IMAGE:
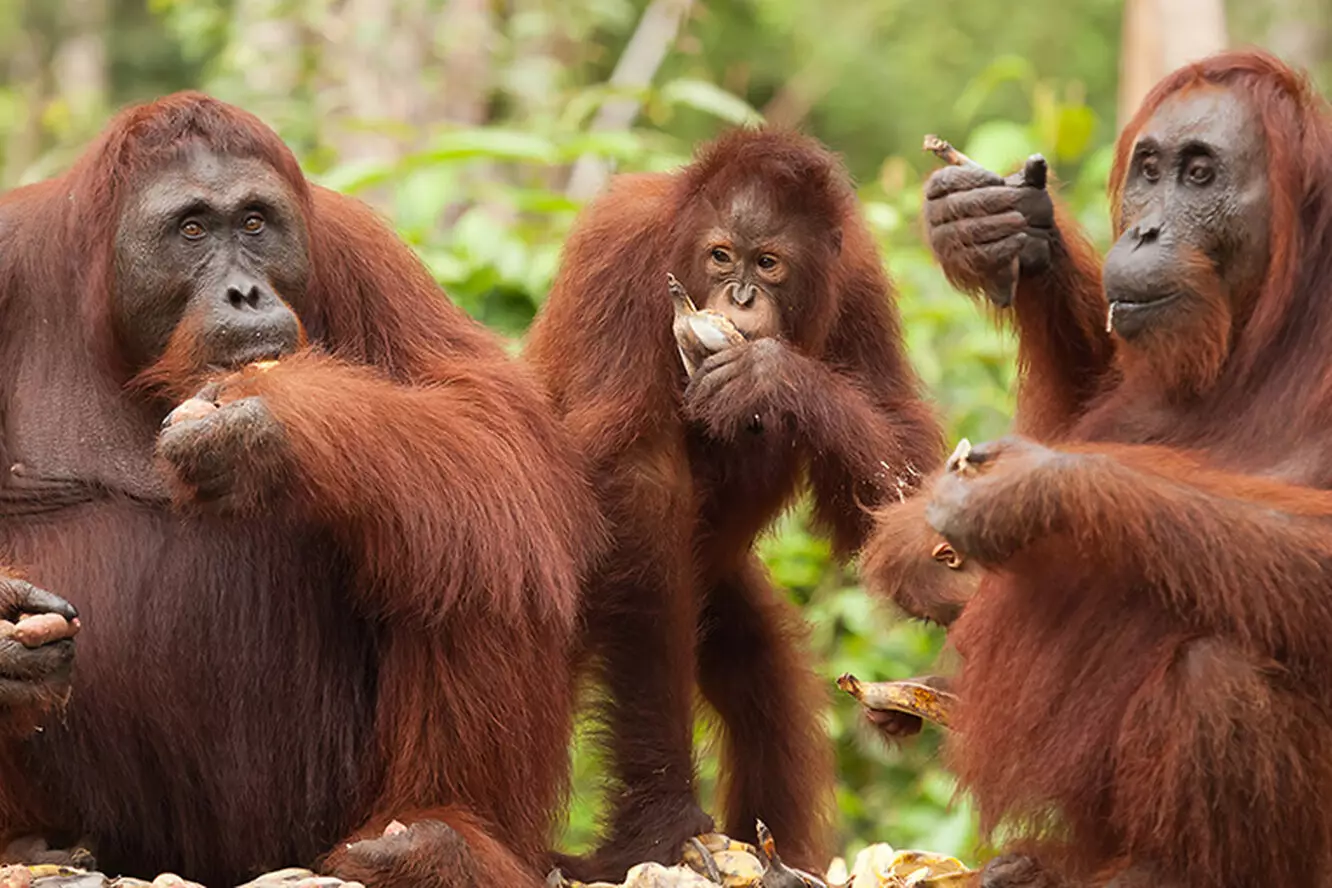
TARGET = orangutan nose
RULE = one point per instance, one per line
(1148, 229)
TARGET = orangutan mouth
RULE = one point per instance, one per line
(1128, 316)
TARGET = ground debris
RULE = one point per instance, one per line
(712, 860)
(707, 861)
(54, 876)
(298, 878)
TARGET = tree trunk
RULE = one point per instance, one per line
(646, 50)
(375, 80)
(24, 143)
(28, 71)
(1160, 36)
(268, 55)
(468, 31)
(79, 66)
(381, 73)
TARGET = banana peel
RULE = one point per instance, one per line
(913, 697)
(959, 461)
(882, 866)
(723, 860)
(698, 332)
(777, 874)
(924, 868)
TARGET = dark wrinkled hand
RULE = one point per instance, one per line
(230, 457)
(999, 500)
(1017, 871)
(34, 673)
(36, 851)
(748, 388)
(979, 221)
(894, 725)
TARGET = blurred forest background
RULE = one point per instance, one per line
(480, 126)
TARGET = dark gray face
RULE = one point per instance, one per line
(215, 246)
(1195, 191)
(751, 254)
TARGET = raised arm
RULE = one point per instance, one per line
(977, 223)
(1249, 558)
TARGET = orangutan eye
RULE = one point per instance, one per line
(253, 224)
(767, 262)
(720, 256)
(1200, 172)
(1151, 168)
(192, 229)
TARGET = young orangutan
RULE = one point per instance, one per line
(763, 228)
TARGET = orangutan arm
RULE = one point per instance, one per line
(1244, 556)
(978, 223)
(443, 487)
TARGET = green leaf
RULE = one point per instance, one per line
(358, 175)
(1073, 135)
(709, 99)
(539, 200)
(506, 310)
(586, 102)
(490, 143)
(446, 267)
(619, 145)
(421, 194)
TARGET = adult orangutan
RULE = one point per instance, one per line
(764, 228)
(1144, 685)
(344, 593)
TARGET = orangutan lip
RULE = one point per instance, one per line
(1132, 304)
(246, 358)
(1129, 318)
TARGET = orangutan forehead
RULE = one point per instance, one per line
(753, 211)
(1215, 117)
(203, 176)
